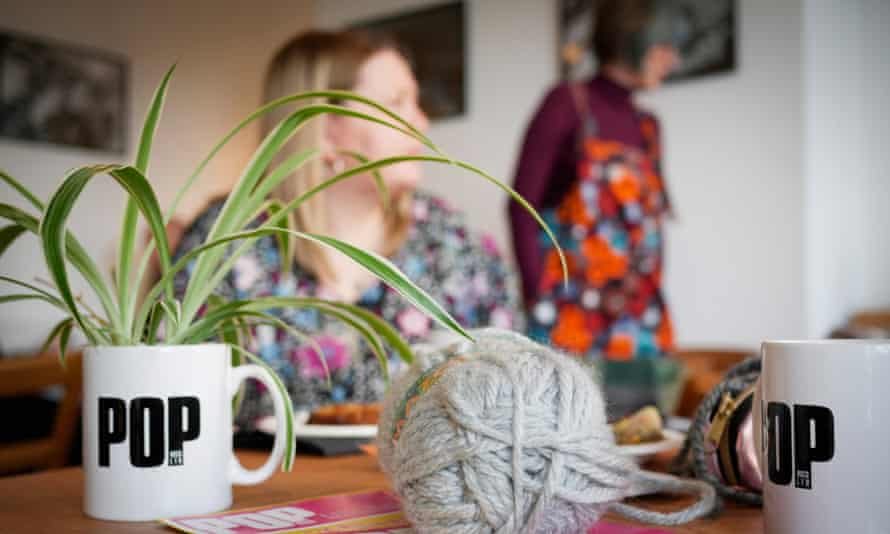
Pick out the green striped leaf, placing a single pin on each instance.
(376, 264)
(54, 333)
(53, 232)
(204, 327)
(150, 125)
(40, 294)
(278, 175)
(64, 335)
(390, 274)
(406, 127)
(205, 287)
(382, 190)
(383, 329)
(131, 211)
(22, 190)
(368, 319)
(53, 226)
(228, 331)
(17, 297)
(77, 255)
(182, 263)
(156, 315)
(48, 297)
(171, 312)
(374, 166)
(8, 235)
(367, 333)
(141, 192)
(264, 318)
(262, 190)
(283, 239)
(238, 205)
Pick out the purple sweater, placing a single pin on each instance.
(546, 168)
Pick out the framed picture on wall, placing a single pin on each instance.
(435, 41)
(62, 94)
(709, 46)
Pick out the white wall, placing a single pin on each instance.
(847, 121)
(222, 47)
(875, 92)
(733, 162)
(733, 158)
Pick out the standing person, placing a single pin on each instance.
(422, 236)
(591, 161)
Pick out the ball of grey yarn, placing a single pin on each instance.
(513, 438)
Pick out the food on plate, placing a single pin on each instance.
(346, 414)
(644, 426)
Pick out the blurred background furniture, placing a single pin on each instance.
(23, 382)
(704, 370)
(865, 324)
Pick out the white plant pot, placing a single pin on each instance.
(157, 430)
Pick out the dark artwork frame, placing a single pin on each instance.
(62, 94)
(435, 41)
(711, 48)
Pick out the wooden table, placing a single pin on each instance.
(50, 502)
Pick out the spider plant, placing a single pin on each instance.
(198, 314)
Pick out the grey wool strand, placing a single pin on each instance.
(513, 439)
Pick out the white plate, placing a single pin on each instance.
(303, 430)
(643, 451)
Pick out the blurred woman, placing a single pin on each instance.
(425, 238)
(591, 160)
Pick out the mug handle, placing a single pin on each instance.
(237, 473)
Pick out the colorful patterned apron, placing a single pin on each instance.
(610, 227)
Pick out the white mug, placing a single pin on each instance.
(823, 426)
(157, 430)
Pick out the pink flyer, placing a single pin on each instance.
(376, 512)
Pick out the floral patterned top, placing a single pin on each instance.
(464, 273)
(610, 225)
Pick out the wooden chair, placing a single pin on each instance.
(864, 324)
(30, 375)
(704, 370)
(871, 319)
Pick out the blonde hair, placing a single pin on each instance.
(315, 61)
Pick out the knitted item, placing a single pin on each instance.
(467, 421)
(694, 458)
